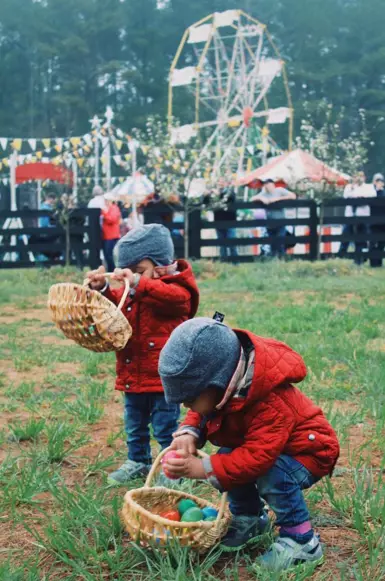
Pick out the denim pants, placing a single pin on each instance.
(277, 248)
(108, 251)
(281, 487)
(141, 409)
(225, 235)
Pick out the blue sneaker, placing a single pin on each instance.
(286, 554)
(244, 531)
(129, 471)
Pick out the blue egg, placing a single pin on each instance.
(208, 511)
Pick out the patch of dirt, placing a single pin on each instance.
(341, 302)
(360, 448)
(51, 340)
(377, 344)
(11, 314)
(299, 297)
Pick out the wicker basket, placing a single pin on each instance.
(89, 318)
(141, 517)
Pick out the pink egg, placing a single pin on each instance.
(168, 456)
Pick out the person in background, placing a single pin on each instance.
(378, 229)
(357, 189)
(270, 194)
(48, 204)
(225, 214)
(98, 200)
(111, 220)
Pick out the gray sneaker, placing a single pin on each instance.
(286, 553)
(245, 530)
(129, 471)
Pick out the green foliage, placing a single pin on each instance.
(72, 59)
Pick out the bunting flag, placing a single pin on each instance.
(119, 133)
(46, 143)
(250, 149)
(3, 142)
(127, 157)
(119, 144)
(75, 141)
(32, 144)
(80, 161)
(39, 154)
(16, 144)
(117, 159)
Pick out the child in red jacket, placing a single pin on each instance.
(163, 295)
(274, 442)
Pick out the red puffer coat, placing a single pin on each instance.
(156, 309)
(273, 418)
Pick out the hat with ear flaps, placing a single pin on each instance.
(152, 241)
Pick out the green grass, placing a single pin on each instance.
(61, 430)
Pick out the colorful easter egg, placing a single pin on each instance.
(208, 511)
(192, 515)
(185, 504)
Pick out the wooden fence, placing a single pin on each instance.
(24, 244)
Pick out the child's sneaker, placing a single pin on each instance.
(245, 530)
(129, 471)
(286, 553)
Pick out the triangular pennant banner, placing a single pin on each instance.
(32, 144)
(118, 143)
(250, 149)
(117, 159)
(46, 143)
(80, 161)
(75, 141)
(127, 157)
(16, 144)
(3, 142)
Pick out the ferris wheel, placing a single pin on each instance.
(230, 83)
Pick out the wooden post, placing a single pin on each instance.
(95, 238)
(313, 227)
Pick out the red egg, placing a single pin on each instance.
(168, 456)
(171, 515)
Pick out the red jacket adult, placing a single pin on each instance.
(272, 418)
(154, 311)
(111, 222)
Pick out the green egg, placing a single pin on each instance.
(193, 514)
(185, 504)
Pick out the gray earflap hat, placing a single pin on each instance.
(152, 241)
(200, 353)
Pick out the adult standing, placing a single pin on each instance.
(98, 200)
(269, 196)
(226, 214)
(357, 189)
(378, 229)
(111, 219)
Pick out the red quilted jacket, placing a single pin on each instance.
(272, 418)
(156, 309)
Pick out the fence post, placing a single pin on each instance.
(313, 227)
(95, 237)
(194, 234)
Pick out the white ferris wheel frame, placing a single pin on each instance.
(232, 105)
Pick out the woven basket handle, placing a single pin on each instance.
(155, 466)
(87, 281)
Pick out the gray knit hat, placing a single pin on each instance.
(151, 241)
(200, 353)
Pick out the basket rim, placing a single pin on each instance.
(128, 498)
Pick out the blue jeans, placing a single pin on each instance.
(225, 235)
(278, 247)
(108, 251)
(281, 487)
(141, 409)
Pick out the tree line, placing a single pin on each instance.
(62, 62)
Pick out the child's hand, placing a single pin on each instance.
(97, 278)
(121, 274)
(187, 466)
(186, 443)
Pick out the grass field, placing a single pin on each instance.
(61, 428)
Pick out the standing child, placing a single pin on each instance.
(274, 441)
(163, 295)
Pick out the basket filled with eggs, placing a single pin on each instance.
(157, 515)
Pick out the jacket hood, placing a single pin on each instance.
(186, 278)
(275, 363)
